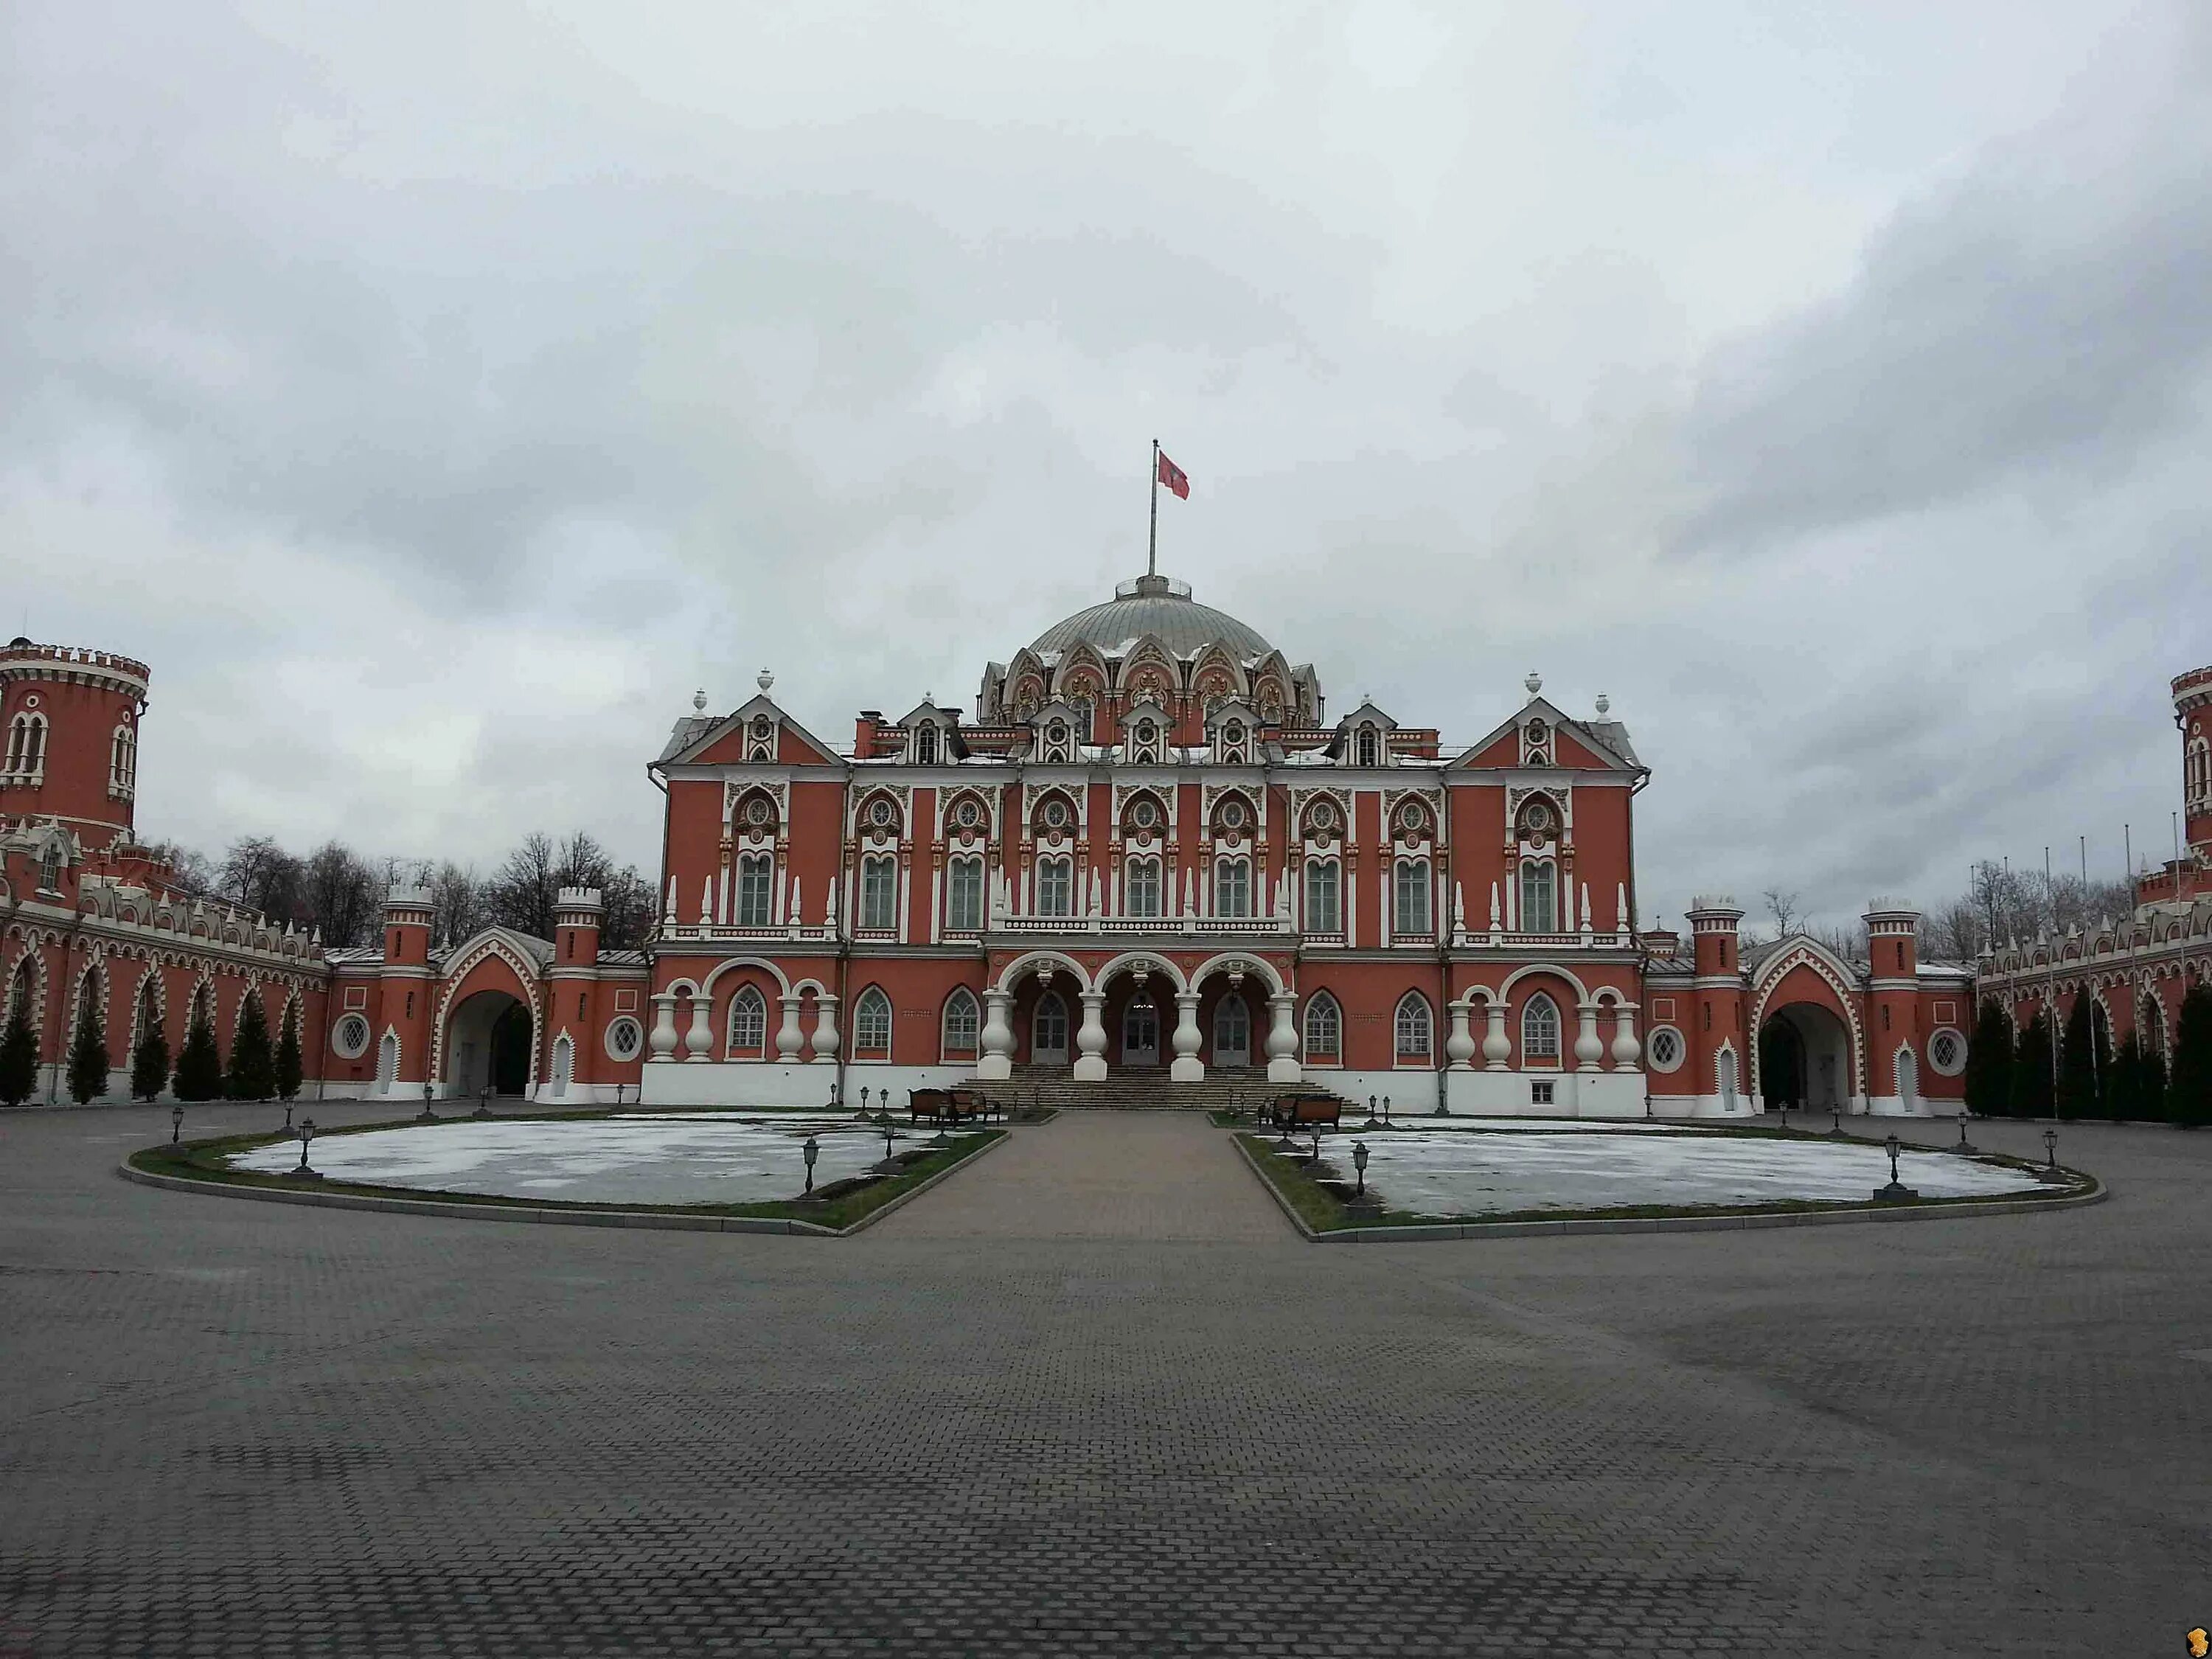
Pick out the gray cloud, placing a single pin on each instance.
(436, 408)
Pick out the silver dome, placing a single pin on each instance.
(1158, 606)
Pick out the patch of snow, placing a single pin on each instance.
(1441, 1172)
(650, 1159)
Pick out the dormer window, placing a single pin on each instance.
(925, 746)
(1368, 747)
(1057, 741)
(1232, 741)
(1145, 739)
(761, 746)
(1537, 741)
(50, 867)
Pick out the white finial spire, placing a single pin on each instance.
(1604, 703)
(1535, 683)
(699, 700)
(764, 679)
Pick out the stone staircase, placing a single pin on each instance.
(1221, 1092)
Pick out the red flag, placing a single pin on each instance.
(1175, 479)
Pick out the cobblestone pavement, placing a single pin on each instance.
(1158, 1176)
(238, 1428)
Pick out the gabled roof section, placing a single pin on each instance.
(708, 741)
(529, 946)
(1501, 746)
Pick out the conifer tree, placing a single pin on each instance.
(252, 1073)
(2151, 1103)
(2077, 1082)
(199, 1064)
(2031, 1069)
(87, 1060)
(19, 1055)
(2188, 1084)
(149, 1060)
(290, 1066)
(1988, 1063)
(2123, 1092)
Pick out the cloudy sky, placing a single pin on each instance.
(436, 395)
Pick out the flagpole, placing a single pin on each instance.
(1152, 548)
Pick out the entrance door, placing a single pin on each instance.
(1232, 1032)
(1049, 1030)
(1140, 1033)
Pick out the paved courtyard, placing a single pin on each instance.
(237, 1428)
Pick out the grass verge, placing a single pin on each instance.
(837, 1206)
(1316, 1195)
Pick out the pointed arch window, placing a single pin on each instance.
(879, 893)
(964, 894)
(748, 1021)
(1413, 1028)
(871, 1023)
(1539, 1030)
(1055, 886)
(1413, 896)
(1140, 890)
(1324, 896)
(1324, 1030)
(1540, 897)
(26, 746)
(925, 745)
(122, 762)
(50, 865)
(1368, 747)
(964, 1020)
(1232, 887)
(756, 889)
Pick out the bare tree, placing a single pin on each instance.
(522, 895)
(191, 871)
(340, 893)
(258, 874)
(631, 911)
(1782, 907)
(457, 900)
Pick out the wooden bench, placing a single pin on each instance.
(1306, 1111)
(952, 1106)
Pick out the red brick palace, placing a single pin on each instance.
(1146, 852)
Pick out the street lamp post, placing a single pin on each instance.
(484, 1100)
(1896, 1189)
(429, 1092)
(176, 1127)
(306, 1134)
(811, 1151)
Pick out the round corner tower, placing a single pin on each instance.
(69, 719)
(2193, 713)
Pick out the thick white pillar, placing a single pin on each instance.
(1091, 1041)
(662, 1043)
(996, 1062)
(699, 1041)
(825, 1027)
(786, 1035)
(1626, 1050)
(1588, 1050)
(1282, 1042)
(1459, 1047)
(1497, 1046)
(1188, 1067)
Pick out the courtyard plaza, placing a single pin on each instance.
(1093, 1396)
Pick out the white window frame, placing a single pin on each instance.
(747, 998)
(1411, 1003)
(1143, 884)
(879, 886)
(1324, 1005)
(1232, 886)
(1324, 908)
(963, 894)
(1539, 880)
(1411, 882)
(1541, 1030)
(961, 999)
(871, 1022)
(756, 889)
(1056, 884)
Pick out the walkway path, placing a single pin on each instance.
(1158, 1176)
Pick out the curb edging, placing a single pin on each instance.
(1433, 1232)
(665, 1221)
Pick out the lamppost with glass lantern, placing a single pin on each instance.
(810, 1152)
(1896, 1189)
(176, 1128)
(429, 1092)
(306, 1134)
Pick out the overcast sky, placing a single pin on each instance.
(436, 395)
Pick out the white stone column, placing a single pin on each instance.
(662, 1043)
(1588, 1050)
(1459, 1047)
(825, 1027)
(1497, 1046)
(1188, 1067)
(1091, 1041)
(1626, 1050)
(1282, 1042)
(995, 1064)
(786, 1035)
(699, 1041)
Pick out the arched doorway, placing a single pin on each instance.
(1048, 1037)
(1232, 1032)
(1805, 1059)
(1140, 1030)
(488, 1039)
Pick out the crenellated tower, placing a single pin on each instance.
(70, 718)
